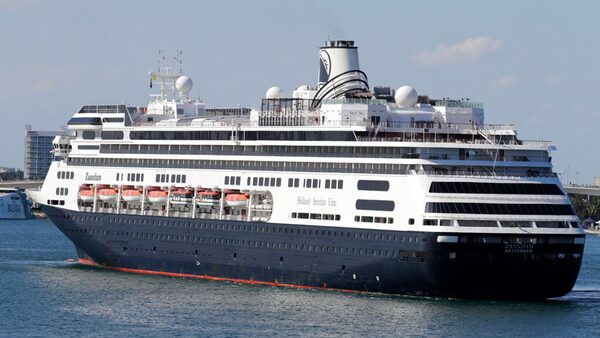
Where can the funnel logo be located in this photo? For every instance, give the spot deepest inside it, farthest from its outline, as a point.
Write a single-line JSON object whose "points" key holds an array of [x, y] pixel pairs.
{"points": [[325, 62]]}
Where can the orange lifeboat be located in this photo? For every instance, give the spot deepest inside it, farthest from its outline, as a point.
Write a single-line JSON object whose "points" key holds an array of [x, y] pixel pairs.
{"points": [[107, 194], [182, 196], [86, 194], [208, 198], [236, 200], [132, 195], [157, 196]]}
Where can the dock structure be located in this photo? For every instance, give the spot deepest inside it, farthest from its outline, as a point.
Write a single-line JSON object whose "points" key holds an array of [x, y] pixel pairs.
{"points": [[582, 190], [24, 184]]}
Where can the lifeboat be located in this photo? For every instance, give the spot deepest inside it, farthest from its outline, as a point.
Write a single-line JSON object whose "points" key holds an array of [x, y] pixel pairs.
{"points": [[157, 196], [107, 194], [182, 196], [132, 195], [236, 200], [208, 198], [86, 194]]}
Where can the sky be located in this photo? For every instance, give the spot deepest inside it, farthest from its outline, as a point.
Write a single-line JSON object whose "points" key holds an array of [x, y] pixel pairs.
{"points": [[535, 64]]}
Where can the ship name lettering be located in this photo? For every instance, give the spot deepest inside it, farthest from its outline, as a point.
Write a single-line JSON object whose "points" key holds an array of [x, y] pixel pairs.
{"points": [[94, 177], [319, 202], [518, 247], [303, 200]]}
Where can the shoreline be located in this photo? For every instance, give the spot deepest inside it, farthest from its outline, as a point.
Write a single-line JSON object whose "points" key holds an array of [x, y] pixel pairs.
{"points": [[593, 232]]}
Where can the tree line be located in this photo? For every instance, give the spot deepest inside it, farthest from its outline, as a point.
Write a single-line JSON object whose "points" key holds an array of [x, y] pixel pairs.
{"points": [[586, 206]]}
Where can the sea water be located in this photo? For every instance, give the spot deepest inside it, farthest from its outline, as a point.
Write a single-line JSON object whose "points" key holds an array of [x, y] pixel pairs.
{"points": [[43, 292]]}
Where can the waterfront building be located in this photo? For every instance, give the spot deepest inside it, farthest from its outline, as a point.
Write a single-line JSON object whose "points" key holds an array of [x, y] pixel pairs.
{"points": [[38, 153]]}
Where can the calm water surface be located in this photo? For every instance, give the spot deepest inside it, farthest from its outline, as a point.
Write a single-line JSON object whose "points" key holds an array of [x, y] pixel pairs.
{"points": [[42, 294]]}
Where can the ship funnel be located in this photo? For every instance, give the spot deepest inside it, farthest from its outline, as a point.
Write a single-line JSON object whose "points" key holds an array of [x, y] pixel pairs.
{"points": [[339, 72]]}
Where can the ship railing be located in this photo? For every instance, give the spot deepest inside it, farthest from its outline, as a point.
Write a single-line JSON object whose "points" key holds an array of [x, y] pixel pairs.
{"points": [[482, 174], [495, 134], [388, 126], [183, 213]]}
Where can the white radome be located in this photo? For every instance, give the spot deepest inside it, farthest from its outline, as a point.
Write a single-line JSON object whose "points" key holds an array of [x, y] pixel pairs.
{"points": [[406, 96], [274, 93], [184, 84]]}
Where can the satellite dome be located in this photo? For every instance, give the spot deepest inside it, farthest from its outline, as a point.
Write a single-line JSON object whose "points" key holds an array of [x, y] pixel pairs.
{"points": [[274, 93], [406, 96], [303, 87], [184, 84]]}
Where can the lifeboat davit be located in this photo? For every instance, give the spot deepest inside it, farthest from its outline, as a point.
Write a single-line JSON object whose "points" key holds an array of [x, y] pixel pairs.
{"points": [[236, 200], [157, 196], [86, 194], [132, 195], [107, 194], [208, 198], [182, 196]]}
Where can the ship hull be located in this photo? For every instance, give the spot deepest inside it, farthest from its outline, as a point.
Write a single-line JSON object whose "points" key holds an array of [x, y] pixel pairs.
{"points": [[362, 260]]}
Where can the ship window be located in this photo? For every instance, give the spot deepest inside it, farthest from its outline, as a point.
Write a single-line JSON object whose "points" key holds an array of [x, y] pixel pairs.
{"points": [[495, 188], [373, 185], [327, 184], [255, 181], [430, 221], [290, 182], [296, 182], [88, 135], [491, 208], [411, 221], [111, 135], [376, 205], [226, 179]]}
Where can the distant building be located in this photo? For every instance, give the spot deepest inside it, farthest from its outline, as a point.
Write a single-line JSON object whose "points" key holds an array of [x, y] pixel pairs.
{"points": [[10, 174], [597, 181], [38, 157]]}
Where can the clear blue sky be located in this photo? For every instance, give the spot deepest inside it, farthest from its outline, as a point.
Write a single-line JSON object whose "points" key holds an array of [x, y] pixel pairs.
{"points": [[533, 63]]}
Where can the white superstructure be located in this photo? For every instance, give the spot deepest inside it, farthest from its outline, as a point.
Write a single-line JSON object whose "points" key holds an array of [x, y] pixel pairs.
{"points": [[339, 154]]}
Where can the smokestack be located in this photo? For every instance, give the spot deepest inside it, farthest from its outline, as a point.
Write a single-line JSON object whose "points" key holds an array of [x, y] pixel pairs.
{"points": [[339, 72]]}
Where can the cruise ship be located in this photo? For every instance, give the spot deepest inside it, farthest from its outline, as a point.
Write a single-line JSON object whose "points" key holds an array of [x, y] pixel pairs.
{"points": [[338, 185]]}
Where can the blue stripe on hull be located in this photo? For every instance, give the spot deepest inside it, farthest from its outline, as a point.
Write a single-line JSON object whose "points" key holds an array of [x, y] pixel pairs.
{"points": [[342, 258]]}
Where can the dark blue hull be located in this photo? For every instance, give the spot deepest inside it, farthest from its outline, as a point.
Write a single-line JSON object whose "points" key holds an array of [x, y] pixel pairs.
{"points": [[478, 266]]}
